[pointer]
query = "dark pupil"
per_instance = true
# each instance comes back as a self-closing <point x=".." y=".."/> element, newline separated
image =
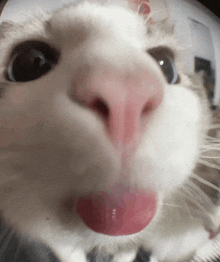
<point x="35" y="59"/>
<point x="39" y="60"/>
<point x="29" y="65"/>
<point x="167" y="68"/>
<point x="30" y="61"/>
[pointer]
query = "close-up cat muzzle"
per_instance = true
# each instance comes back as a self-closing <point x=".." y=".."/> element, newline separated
<point x="109" y="131"/>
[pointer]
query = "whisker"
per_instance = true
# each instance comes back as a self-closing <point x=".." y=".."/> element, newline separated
<point x="205" y="182"/>
<point x="206" y="163"/>
<point x="189" y="196"/>
<point x="213" y="150"/>
<point x="196" y="196"/>
<point x="214" y="126"/>
<point x="171" y="205"/>
<point x="211" y="146"/>
<point x="211" y="142"/>
<point x="210" y="157"/>
<point x="150" y="16"/>
<point x="212" y="138"/>
<point x="188" y="210"/>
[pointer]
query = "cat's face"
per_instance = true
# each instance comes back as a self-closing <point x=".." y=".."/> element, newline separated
<point x="93" y="105"/>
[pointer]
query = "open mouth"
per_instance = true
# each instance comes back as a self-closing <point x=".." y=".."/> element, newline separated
<point x="121" y="212"/>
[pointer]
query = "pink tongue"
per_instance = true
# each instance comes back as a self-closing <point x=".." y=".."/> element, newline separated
<point x="115" y="215"/>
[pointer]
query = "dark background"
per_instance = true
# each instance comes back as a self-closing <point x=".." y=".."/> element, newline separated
<point x="213" y="5"/>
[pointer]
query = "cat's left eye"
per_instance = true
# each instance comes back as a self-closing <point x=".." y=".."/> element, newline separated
<point x="167" y="65"/>
<point x="31" y="60"/>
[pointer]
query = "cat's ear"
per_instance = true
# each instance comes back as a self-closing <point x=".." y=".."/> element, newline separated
<point x="162" y="26"/>
<point x="5" y="26"/>
<point x="167" y="26"/>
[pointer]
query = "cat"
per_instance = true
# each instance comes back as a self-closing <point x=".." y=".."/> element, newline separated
<point x="101" y="134"/>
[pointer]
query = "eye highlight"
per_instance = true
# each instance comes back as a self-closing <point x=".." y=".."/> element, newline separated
<point x="30" y="61"/>
<point x="166" y="62"/>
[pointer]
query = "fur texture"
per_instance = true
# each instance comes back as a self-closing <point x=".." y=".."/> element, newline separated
<point x="53" y="145"/>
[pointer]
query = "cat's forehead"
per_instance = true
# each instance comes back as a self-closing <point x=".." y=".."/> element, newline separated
<point x="97" y="21"/>
<point x="89" y="18"/>
<point x="86" y="21"/>
<point x="111" y="13"/>
<point x="19" y="11"/>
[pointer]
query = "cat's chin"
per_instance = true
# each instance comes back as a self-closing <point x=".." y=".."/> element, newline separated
<point x="123" y="211"/>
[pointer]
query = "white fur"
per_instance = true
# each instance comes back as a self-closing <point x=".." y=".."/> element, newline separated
<point x="54" y="146"/>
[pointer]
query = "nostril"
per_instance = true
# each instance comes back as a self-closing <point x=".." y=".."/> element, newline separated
<point x="101" y="108"/>
<point x="147" y="108"/>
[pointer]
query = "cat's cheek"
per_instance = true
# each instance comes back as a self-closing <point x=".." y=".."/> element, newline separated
<point x="16" y="128"/>
<point x="20" y="121"/>
<point x="19" y="113"/>
<point x="170" y="145"/>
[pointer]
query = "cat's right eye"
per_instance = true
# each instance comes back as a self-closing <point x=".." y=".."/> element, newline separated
<point x="165" y="60"/>
<point x="31" y="60"/>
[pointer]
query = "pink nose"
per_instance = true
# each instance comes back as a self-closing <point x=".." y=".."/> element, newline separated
<point x="125" y="103"/>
